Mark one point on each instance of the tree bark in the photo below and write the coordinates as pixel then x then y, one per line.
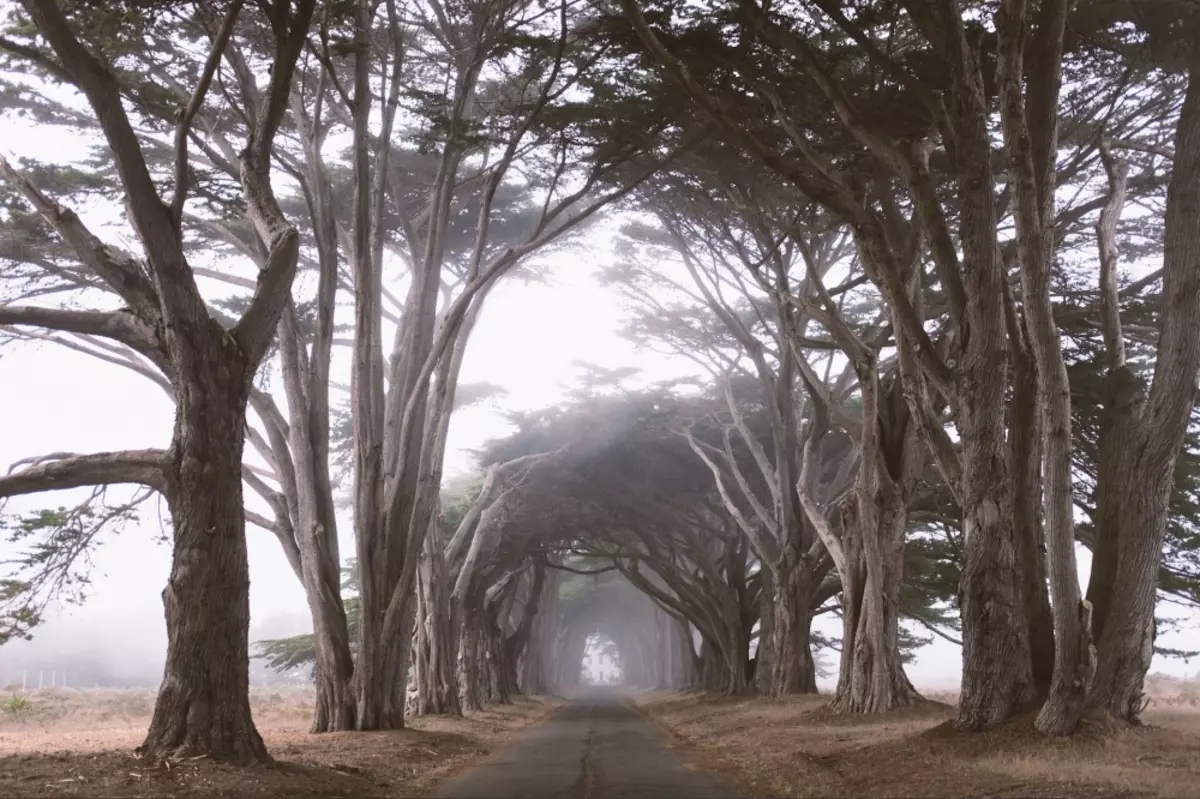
pixel 1030 138
pixel 792 668
pixel 1128 629
pixel 997 673
pixel 872 678
pixel 203 705
pixel 1025 461
pixel 437 687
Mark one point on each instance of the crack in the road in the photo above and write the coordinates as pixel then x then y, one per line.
pixel 586 785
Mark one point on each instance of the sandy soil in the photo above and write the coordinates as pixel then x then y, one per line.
pixel 797 748
pixel 61 742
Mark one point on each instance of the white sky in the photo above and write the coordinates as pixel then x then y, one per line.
pixel 527 341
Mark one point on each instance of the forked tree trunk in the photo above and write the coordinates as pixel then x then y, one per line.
pixel 1030 125
pixel 381 673
pixel 872 678
pixel 1147 460
pixel 203 705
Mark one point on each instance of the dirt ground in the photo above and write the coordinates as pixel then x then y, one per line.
pixel 64 742
pixel 797 748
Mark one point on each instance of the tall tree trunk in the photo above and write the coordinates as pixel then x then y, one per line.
pixel 203 705
pixel 1030 142
pixel 1143 470
pixel 997 674
pixel 1025 459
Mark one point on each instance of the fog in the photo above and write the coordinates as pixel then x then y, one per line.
pixel 530 341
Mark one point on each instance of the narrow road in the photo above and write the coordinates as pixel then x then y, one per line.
pixel 593 748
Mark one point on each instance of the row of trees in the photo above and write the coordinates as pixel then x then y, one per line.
pixel 871 224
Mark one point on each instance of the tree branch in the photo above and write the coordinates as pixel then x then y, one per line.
pixel 64 470
pixel 121 272
pixel 121 326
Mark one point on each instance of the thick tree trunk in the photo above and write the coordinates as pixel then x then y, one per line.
pixel 764 657
pixel 334 705
pixel 872 678
pixel 381 673
pixel 470 671
pixel 437 687
pixel 203 706
pixel 792 668
pixel 1127 642
pixel 714 671
pixel 997 673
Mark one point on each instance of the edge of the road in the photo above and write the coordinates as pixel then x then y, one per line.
pixel 552 703
pixel 707 759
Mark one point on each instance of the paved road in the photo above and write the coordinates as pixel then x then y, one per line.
pixel 593 748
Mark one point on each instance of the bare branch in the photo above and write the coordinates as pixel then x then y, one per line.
pixel 121 272
pixel 120 326
pixel 146 467
pixel 193 107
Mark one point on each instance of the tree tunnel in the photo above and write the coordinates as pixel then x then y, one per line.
pixel 597 526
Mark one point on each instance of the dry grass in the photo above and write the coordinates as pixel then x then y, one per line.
pixel 63 742
pixel 795 747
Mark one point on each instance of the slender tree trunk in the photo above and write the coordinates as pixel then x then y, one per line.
pixel 1025 459
pixel 764 655
pixel 203 706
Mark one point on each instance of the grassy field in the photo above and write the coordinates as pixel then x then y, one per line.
pixel 65 742
pixel 796 748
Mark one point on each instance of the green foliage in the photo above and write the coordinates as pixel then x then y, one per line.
pixel 53 561
pixel 299 651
